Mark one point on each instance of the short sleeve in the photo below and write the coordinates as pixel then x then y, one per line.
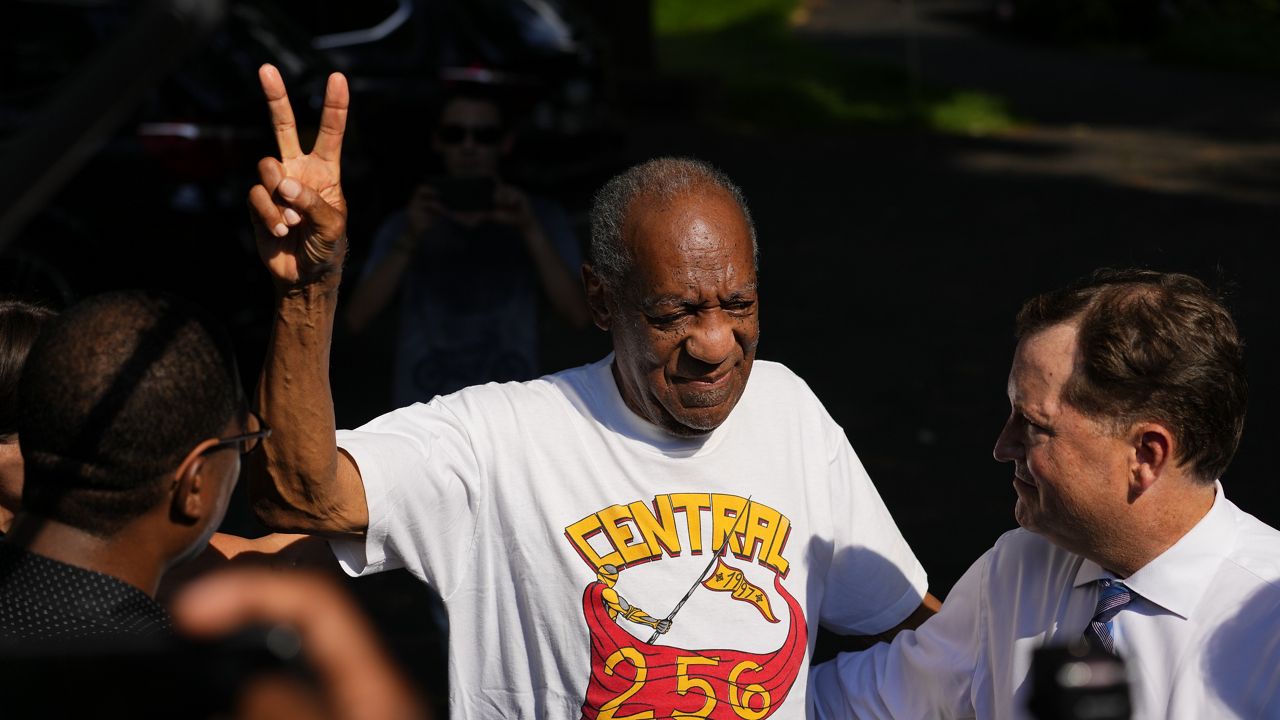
pixel 923 674
pixel 424 490
pixel 875 580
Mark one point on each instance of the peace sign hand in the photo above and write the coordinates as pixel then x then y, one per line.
pixel 299 214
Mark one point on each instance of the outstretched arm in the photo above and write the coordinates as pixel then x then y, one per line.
pixel 300 481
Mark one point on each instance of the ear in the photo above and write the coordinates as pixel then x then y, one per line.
pixel 598 300
pixel 1154 447
pixel 189 500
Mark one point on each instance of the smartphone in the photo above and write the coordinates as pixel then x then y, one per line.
pixel 466 194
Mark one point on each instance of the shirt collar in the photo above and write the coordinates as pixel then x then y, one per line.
pixel 1178 578
pixel 627 423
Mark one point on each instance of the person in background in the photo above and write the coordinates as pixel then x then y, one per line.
pixel 132 423
pixel 20 325
pixel 468 255
pixel 79 570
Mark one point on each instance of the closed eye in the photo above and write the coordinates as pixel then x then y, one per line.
pixel 1035 426
pixel 668 319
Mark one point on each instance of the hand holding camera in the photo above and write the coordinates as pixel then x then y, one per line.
pixel 468 202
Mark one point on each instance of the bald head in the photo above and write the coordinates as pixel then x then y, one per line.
pixel 656 183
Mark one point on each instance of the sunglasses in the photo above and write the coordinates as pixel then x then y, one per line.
pixel 246 442
pixel 480 134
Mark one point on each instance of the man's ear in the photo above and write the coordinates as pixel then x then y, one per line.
pixel 189 502
pixel 1154 448
pixel 597 298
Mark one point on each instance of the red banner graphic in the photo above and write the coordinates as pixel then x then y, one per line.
pixel 633 680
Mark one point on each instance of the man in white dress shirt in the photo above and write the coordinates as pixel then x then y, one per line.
pixel 1128 399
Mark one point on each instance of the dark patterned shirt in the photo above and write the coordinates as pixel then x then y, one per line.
pixel 43 599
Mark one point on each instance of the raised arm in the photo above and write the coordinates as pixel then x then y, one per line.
pixel 300 481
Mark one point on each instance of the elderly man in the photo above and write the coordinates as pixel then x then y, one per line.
pixel 132 423
pixel 1128 397
pixel 548 513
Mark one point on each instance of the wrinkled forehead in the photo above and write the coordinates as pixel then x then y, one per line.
pixel 700 233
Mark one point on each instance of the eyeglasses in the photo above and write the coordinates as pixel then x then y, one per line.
pixel 452 134
pixel 246 441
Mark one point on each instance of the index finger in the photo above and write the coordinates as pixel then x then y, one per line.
pixel 282 121
pixel 333 119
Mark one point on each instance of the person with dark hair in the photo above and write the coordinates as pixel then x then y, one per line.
pixel 132 422
pixel 1128 401
pixel 20 325
pixel 548 512
pixel 468 255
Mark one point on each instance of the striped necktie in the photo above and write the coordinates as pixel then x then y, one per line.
pixel 1114 596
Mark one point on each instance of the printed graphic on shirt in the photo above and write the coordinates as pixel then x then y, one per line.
pixel 709 540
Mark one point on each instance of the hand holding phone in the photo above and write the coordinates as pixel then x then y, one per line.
pixel 467 195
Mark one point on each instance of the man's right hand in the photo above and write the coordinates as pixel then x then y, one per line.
pixel 298 211
pixel 298 480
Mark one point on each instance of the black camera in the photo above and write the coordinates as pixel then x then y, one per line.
pixel 466 194
pixel 1078 682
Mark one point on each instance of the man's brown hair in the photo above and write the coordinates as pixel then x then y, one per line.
pixel 1153 346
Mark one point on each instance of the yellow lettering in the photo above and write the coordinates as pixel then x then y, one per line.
pixel 725 513
pixel 775 559
pixel 742 706
pixel 684 684
pixel 762 524
pixel 609 711
pixel 578 534
pixel 692 504
pixel 660 531
pixel 618 525
pixel 640 532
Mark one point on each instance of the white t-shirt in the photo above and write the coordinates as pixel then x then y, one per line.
pixel 510 500
pixel 1201 639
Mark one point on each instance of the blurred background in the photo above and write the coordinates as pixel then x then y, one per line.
pixel 917 168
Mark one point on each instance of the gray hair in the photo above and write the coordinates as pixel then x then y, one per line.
pixel 662 179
